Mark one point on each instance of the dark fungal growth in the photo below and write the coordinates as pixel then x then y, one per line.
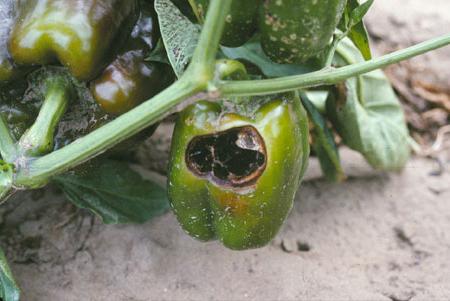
pixel 235 157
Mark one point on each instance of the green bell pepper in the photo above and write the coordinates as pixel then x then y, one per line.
pixel 292 31
pixel 233 176
pixel 240 23
pixel 81 35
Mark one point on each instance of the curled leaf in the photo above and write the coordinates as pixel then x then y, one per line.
pixel 368 115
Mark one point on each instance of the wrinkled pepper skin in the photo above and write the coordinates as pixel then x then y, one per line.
pixel 240 23
pixel 292 31
pixel 233 177
pixel 80 34
pixel 129 79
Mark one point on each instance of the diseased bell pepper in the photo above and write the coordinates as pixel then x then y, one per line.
pixel 240 23
pixel 81 34
pixel 233 176
pixel 292 31
pixel 129 79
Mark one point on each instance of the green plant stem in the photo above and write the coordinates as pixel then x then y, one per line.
pixel 7 146
pixel 195 80
pixel 203 62
pixel 193 5
pixel 189 85
pixel 105 137
pixel 326 76
pixel 331 52
pixel 38 140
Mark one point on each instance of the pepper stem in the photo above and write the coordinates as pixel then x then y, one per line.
pixel 7 147
pixel 204 59
pixel 191 86
pixel 38 140
pixel 328 76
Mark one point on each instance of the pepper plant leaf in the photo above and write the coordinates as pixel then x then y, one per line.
pixel 179 34
pixel 158 54
pixel 115 192
pixel 352 22
pixel 252 52
pixel 368 115
pixel 9 291
pixel 323 143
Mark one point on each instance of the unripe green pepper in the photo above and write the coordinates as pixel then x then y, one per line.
pixel 130 79
pixel 240 22
pixel 292 31
pixel 81 35
pixel 233 176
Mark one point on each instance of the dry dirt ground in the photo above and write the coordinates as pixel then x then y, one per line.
pixel 375 237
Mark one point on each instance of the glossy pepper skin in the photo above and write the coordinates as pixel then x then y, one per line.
pixel 233 176
pixel 292 31
pixel 129 79
pixel 80 34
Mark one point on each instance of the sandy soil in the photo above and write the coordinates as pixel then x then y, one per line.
pixel 375 237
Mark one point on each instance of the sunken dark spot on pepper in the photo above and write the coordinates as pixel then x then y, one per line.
pixel 235 157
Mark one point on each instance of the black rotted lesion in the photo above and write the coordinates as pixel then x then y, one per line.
pixel 235 157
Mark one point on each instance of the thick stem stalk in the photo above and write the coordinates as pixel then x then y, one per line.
pixel 105 137
pixel 203 62
pixel 38 140
pixel 195 80
pixel 326 76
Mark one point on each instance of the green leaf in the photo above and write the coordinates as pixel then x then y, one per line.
pixel 368 115
pixel 358 34
pixel 9 291
pixel 359 11
pixel 319 99
pixel 179 34
pixel 6 180
pixel 253 53
pixel 186 8
pixel 352 22
pixel 115 192
pixel 323 143
pixel 158 54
